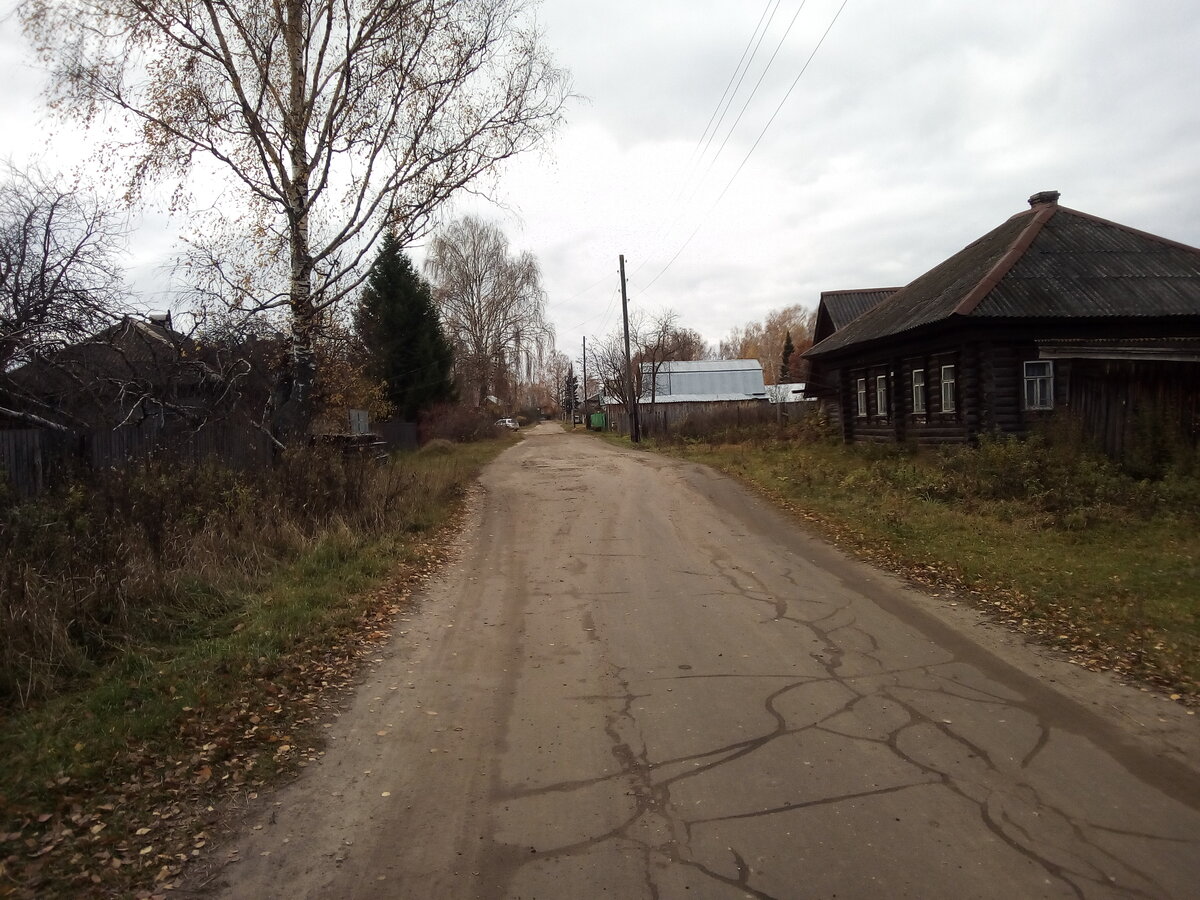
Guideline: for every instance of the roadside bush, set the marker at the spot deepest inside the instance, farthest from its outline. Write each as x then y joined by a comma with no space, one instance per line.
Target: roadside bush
461,424
138,554
437,447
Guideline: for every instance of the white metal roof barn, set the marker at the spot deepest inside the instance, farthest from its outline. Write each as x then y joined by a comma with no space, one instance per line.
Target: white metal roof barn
705,381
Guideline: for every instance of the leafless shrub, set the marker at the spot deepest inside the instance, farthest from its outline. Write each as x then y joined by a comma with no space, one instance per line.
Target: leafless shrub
460,424
135,555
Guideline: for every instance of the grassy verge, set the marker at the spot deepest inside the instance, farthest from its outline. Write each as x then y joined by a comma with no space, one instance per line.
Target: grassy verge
110,785
1053,540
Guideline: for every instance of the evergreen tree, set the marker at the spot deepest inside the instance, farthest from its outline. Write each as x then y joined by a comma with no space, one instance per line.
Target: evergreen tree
570,391
785,370
398,324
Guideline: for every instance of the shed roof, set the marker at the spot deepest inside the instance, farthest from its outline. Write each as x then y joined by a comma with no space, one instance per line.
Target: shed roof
1045,262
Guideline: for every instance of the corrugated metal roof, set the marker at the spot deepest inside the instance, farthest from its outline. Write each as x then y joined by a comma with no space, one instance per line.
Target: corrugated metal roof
1049,261
846,306
708,365
1082,266
703,398
708,378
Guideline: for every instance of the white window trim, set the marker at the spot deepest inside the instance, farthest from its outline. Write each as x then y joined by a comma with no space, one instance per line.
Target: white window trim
951,383
1028,379
881,403
918,392
861,393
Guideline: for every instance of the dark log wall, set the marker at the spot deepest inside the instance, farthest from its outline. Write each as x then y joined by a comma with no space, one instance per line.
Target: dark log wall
1122,401
1113,398
989,394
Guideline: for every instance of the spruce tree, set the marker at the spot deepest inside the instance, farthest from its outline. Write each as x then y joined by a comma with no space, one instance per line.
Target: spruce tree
570,391
785,370
399,327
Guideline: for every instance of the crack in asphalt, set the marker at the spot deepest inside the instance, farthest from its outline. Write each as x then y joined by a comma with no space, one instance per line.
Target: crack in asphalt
931,750
653,797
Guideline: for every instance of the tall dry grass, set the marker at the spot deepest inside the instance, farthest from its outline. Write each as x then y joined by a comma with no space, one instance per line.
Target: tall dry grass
159,550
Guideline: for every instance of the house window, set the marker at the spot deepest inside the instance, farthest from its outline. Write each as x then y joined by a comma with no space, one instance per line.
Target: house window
862,396
948,389
918,391
881,404
1039,385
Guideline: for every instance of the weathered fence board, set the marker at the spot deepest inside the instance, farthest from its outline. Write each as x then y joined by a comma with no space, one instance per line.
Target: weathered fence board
397,435
29,458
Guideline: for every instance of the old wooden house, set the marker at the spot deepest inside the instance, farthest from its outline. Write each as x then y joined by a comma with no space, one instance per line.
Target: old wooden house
836,310
1054,309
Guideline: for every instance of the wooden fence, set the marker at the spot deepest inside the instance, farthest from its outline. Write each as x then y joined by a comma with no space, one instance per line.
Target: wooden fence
398,435
1123,403
31,459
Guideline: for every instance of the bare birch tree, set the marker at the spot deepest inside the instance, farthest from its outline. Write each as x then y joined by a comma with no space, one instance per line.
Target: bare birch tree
60,277
332,119
492,305
607,365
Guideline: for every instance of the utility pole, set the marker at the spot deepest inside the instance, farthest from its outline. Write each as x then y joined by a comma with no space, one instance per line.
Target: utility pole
635,427
586,424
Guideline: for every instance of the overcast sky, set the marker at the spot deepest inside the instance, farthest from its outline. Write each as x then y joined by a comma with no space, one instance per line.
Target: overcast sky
915,128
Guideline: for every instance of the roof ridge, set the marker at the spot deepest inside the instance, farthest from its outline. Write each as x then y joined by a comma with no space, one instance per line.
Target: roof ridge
863,290
1144,234
1015,251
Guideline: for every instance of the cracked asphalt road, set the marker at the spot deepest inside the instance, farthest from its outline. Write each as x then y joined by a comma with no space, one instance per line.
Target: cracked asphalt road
638,681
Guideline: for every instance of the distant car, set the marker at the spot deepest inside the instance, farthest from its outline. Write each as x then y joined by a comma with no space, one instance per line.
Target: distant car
507,423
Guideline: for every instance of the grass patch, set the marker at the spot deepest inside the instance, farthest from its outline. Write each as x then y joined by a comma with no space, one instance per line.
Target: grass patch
214,685
1055,540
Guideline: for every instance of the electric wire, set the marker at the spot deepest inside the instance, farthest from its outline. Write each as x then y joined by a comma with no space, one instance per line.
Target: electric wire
745,71
694,159
753,147
757,85
732,76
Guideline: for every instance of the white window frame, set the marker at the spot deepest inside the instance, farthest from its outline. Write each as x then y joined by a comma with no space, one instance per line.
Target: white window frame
949,383
1040,385
861,390
918,392
881,402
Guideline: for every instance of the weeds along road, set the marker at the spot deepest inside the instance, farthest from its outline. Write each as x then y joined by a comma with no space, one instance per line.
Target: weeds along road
638,681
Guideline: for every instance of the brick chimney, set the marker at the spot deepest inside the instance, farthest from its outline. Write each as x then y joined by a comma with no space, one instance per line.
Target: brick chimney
1044,198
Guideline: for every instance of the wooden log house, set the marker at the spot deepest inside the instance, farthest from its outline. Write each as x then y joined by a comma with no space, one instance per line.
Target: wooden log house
1053,310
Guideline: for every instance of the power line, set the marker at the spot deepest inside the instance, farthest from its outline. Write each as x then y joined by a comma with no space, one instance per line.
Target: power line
761,37
591,287
753,147
771,120
605,314
732,76
693,159
757,85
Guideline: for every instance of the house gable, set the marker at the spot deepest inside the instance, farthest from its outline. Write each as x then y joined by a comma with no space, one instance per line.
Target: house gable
837,309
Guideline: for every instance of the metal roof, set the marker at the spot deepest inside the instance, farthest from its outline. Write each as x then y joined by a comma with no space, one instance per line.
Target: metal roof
1047,262
703,398
706,379
843,307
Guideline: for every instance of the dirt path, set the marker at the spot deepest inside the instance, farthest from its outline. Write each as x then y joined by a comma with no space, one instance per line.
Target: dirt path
639,682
